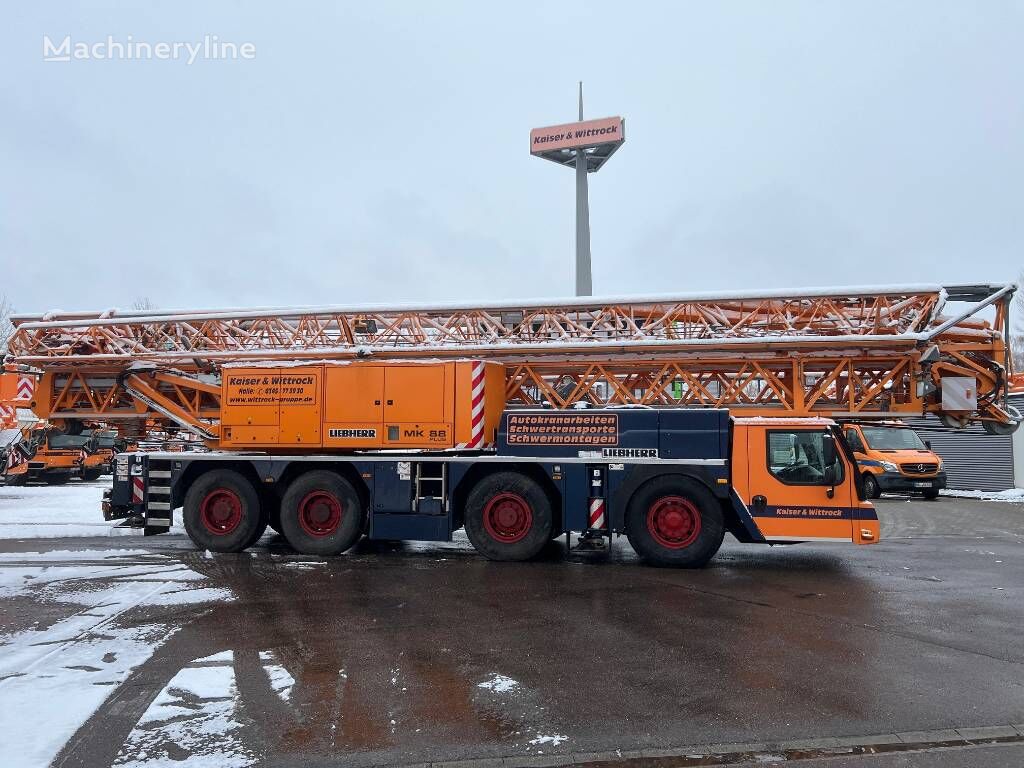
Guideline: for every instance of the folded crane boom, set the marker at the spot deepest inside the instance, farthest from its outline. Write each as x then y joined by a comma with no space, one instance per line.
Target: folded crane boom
865,352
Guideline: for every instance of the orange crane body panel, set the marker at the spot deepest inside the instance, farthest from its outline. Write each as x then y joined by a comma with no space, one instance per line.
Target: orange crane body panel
362,406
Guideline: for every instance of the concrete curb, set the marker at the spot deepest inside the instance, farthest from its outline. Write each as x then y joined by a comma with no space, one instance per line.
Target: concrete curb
783,751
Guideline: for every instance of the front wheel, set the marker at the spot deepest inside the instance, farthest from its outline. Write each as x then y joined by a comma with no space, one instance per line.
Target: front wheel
321,514
672,521
508,517
222,512
871,488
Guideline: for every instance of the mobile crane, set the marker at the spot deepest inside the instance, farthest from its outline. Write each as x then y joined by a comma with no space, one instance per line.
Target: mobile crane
410,422
16,386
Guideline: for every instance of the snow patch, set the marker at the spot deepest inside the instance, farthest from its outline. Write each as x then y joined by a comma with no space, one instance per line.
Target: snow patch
193,596
554,740
499,684
63,673
197,712
1013,495
57,511
281,680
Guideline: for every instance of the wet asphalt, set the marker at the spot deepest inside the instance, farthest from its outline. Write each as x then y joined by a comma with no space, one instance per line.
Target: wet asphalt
399,652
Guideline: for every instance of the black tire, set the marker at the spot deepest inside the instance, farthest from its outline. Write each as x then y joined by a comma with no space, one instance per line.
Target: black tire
673,521
321,514
222,512
258,533
56,479
931,494
871,487
508,517
91,475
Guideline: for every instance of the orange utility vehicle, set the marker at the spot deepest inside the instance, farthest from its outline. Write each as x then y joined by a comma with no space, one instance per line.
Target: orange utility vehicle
17,384
54,457
106,443
891,457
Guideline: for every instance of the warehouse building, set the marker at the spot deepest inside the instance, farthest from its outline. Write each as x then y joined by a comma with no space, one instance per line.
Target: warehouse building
974,459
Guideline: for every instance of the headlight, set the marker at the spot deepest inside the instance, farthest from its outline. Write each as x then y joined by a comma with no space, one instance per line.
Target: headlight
888,466
940,463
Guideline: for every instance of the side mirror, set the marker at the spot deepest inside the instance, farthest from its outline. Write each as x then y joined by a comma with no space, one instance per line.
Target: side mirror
830,474
828,456
828,450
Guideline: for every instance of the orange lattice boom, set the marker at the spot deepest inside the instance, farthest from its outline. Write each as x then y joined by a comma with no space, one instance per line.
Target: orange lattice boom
866,352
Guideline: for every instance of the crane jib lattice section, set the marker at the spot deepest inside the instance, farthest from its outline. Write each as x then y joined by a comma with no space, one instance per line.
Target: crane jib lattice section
833,351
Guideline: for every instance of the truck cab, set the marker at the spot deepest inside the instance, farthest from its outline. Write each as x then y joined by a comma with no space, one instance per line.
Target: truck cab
892,457
106,444
798,479
58,457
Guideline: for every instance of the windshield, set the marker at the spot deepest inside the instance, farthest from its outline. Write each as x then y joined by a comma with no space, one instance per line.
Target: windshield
892,439
68,441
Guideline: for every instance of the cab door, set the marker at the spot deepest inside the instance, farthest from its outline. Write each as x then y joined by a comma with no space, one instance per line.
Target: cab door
791,498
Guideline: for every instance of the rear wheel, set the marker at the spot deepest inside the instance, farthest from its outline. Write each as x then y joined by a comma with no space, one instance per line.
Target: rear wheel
222,512
321,514
508,517
871,489
675,522
92,474
58,478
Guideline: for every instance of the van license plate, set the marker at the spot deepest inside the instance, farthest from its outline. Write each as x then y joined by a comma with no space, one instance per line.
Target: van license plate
922,485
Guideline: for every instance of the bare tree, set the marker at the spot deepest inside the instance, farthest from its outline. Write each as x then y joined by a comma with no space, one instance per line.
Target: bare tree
1017,326
143,303
6,328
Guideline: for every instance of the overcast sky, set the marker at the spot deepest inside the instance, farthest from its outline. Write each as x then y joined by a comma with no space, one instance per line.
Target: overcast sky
376,152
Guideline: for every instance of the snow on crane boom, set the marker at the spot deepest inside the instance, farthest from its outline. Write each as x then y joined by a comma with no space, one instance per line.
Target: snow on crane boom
839,352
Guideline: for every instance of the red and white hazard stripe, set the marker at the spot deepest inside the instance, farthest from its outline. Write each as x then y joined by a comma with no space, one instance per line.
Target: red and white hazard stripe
26,386
476,431
596,519
14,458
138,490
6,412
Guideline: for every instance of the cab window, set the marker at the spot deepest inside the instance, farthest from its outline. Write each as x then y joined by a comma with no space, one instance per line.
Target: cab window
59,442
797,457
853,438
893,439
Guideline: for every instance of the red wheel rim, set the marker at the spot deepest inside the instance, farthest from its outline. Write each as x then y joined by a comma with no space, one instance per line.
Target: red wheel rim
320,513
221,511
674,522
508,518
